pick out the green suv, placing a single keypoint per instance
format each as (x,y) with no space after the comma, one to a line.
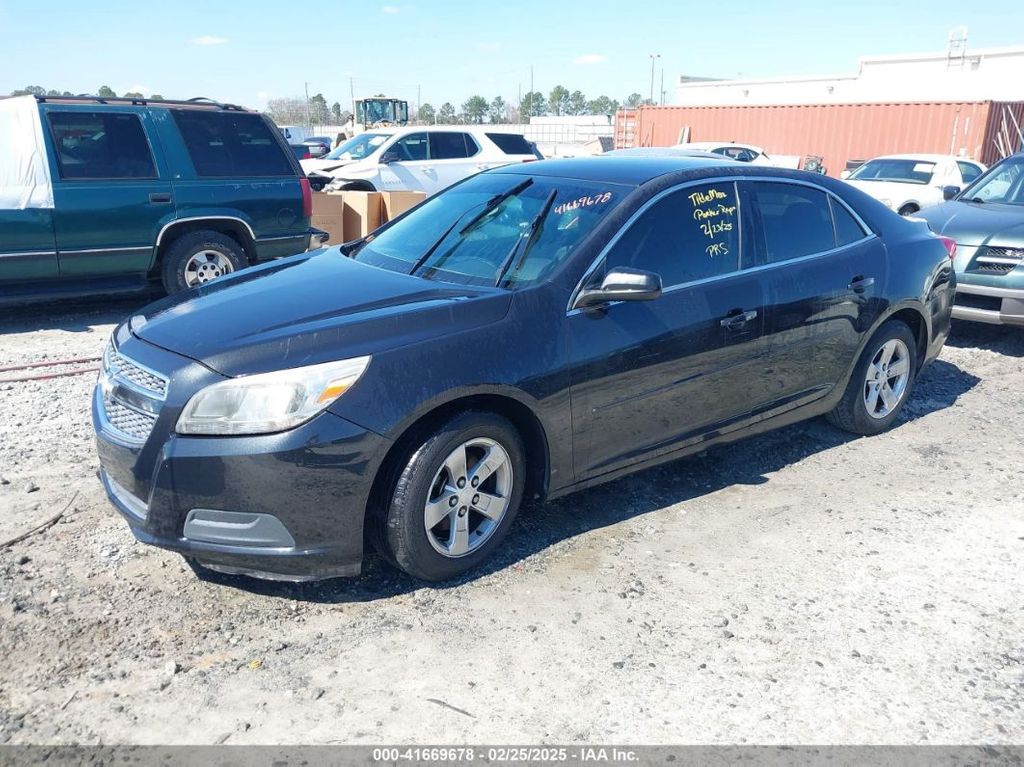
(101,195)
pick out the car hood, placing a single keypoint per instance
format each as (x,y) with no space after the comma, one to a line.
(317,307)
(974,223)
(323,166)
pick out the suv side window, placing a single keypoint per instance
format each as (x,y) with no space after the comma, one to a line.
(797,220)
(412,147)
(969,171)
(231,144)
(445,145)
(689,234)
(93,145)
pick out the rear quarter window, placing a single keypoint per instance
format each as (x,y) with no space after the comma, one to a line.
(229,144)
(511,143)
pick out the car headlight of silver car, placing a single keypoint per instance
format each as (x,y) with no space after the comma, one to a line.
(269,402)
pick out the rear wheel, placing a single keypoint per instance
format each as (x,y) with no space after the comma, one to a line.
(455,498)
(881,382)
(196,258)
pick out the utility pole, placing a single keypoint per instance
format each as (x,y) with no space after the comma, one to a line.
(663,86)
(654,57)
(309,125)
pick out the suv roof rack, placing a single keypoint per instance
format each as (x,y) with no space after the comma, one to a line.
(198,101)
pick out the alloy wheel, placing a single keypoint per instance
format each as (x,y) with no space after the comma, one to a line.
(885,383)
(468,497)
(206,265)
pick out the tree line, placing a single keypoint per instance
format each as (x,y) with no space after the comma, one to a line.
(103,92)
(476,109)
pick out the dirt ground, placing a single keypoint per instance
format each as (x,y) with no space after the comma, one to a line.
(800,587)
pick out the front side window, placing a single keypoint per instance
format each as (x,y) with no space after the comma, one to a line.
(231,144)
(796,220)
(445,145)
(412,148)
(1002,184)
(97,145)
(494,229)
(902,171)
(689,234)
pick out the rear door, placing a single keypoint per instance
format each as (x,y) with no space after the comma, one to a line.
(822,270)
(453,154)
(650,376)
(111,189)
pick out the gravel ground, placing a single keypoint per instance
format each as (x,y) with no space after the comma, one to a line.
(799,587)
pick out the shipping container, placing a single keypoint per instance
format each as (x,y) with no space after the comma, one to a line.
(839,133)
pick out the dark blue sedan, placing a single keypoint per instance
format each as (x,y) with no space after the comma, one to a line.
(529,332)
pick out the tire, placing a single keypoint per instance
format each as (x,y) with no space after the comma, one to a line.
(196,258)
(853,413)
(909,209)
(400,529)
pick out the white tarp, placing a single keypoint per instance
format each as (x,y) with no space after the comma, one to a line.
(24,172)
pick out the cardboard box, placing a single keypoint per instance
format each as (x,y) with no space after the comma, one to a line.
(396,203)
(362,213)
(328,214)
(346,216)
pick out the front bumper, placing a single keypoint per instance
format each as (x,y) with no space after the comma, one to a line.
(286,506)
(993,305)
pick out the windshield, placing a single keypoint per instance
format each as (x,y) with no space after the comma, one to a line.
(1002,184)
(477,233)
(903,171)
(359,147)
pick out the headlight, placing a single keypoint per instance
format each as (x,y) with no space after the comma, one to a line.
(269,402)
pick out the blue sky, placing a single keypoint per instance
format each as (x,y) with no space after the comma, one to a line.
(245,52)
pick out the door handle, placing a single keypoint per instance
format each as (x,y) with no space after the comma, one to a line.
(737,318)
(861,283)
(160,198)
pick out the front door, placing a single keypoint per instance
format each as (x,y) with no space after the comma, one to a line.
(111,190)
(648,377)
(821,271)
(414,170)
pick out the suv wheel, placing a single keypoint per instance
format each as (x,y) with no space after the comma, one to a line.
(196,258)
(881,382)
(455,498)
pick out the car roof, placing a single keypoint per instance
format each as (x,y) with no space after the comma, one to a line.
(442,129)
(707,144)
(665,151)
(617,169)
(922,157)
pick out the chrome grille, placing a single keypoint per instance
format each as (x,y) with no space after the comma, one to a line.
(119,367)
(129,422)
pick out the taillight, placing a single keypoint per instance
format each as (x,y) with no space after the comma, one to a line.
(950,247)
(307,197)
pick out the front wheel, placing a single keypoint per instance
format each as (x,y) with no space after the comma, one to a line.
(909,209)
(455,498)
(881,382)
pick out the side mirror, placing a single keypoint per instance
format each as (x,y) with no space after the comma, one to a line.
(844,175)
(949,192)
(390,156)
(621,284)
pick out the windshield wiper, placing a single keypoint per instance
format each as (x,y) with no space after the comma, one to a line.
(494,202)
(523,245)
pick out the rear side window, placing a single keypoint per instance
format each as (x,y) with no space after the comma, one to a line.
(690,234)
(796,220)
(92,145)
(446,145)
(968,171)
(511,143)
(847,228)
(231,144)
